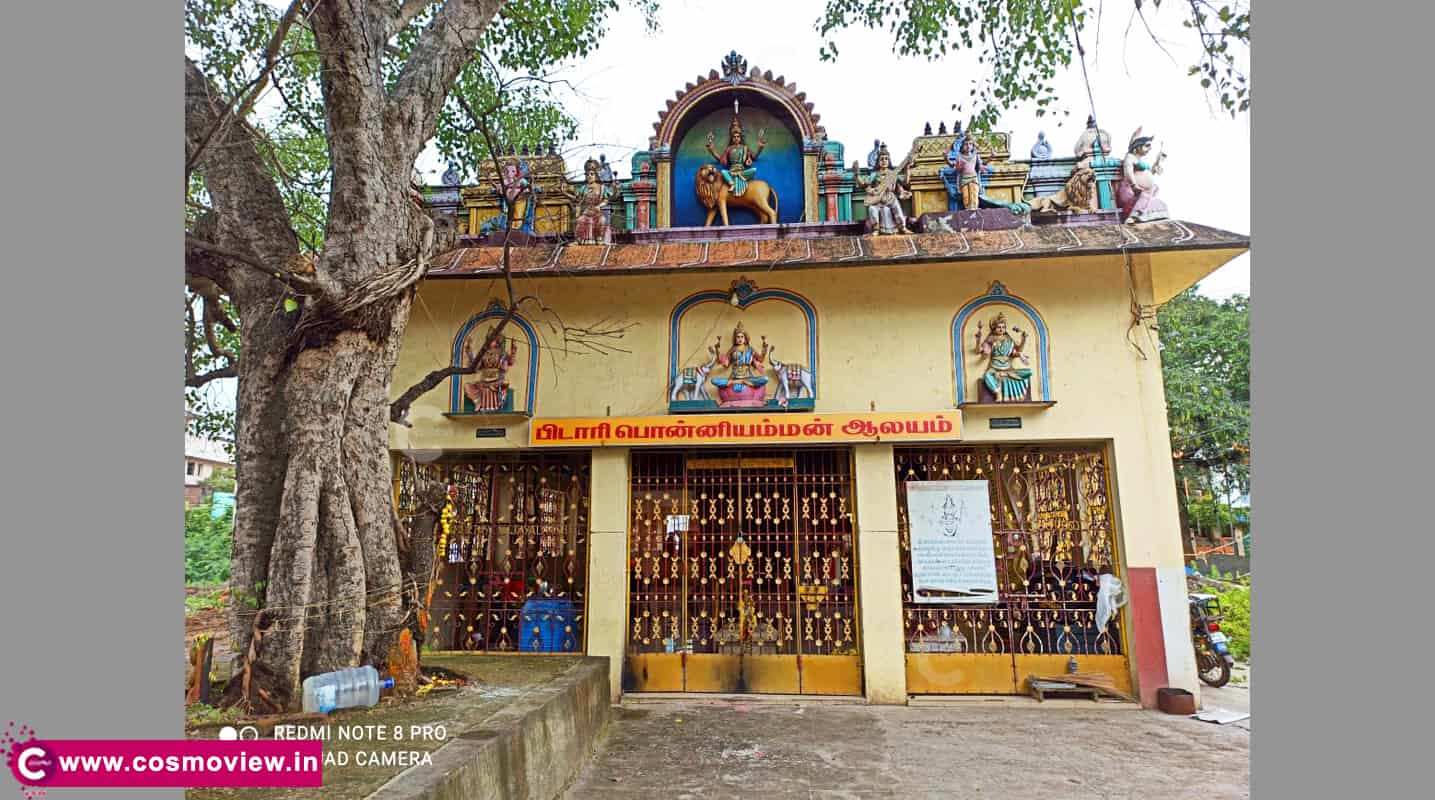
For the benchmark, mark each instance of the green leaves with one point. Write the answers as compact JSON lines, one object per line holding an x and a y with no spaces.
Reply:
{"x":228,"y":40}
{"x":207,"y":545}
{"x":1206,"y":364}
{"x":1024,"y":44}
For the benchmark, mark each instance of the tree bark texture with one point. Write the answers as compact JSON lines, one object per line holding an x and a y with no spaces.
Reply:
{"x":317,"y":561}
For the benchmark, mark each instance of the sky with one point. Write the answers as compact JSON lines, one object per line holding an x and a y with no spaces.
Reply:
{"x":871,"y":93}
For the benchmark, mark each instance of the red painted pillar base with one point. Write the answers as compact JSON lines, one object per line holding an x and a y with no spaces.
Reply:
{"x":1147,"y":638}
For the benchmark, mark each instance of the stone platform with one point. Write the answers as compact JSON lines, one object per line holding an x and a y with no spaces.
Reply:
{"x":523,"y":729}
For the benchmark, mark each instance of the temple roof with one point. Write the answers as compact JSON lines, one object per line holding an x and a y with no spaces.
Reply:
{"x":1164,"y":237}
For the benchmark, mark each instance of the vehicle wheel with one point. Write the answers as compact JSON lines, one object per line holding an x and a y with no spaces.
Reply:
{"x":1212,"y":669}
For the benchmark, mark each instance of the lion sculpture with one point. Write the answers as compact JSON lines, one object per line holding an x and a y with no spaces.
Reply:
{"x":716,"y":196}
{"x":1079,"y":194}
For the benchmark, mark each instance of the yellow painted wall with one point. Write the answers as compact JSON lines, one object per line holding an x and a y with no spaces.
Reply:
{"x":884,"y":344}
{"x":608,"y":561}
{"x":879,"y":598}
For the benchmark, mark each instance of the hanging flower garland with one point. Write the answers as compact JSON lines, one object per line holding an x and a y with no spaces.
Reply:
{"x":445,"y":524}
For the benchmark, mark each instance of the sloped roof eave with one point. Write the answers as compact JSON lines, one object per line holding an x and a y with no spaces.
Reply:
{"x":1167,"y":236}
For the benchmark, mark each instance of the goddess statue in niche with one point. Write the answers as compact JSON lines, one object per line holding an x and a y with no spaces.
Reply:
{"x":745,"y":385}
{"x":490,"y":392}
{"x":1004,"y":382}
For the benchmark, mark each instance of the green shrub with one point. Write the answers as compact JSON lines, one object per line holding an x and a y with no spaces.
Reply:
{"x":207,"y":545}
{"x":201,"y":602}
{"x":1236,"y":613}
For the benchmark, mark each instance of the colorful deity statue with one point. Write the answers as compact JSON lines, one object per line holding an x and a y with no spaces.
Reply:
{"x":591,"y":204}
{"x":513,"y":185}
{"x":490,"y":391}
{"x":963,"y":175}
{"x":1136,"y":193}
{"x":1041,"y":151}
{"x":1005,"y":382}
{"x":745,"y":385}
{"x":1092,"y":142}
{"x":885,"y":188}
{"x":736,"y":159}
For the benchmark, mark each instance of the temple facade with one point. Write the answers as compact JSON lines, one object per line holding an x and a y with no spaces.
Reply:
{"x":761,"y":416}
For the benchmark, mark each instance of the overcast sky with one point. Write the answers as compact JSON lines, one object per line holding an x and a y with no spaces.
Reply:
{"x":870,"y":93}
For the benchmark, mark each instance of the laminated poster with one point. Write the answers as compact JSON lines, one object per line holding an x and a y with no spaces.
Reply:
{"x":953,"y":556}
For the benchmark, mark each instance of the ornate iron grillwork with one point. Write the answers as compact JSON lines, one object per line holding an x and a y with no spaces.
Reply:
{"x":766,"y":565}
{"x":1052,"y":525}
{"x":512,"y":568}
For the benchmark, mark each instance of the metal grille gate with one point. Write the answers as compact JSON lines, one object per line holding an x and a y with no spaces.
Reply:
{"x":511,"y":571}
{"x":742,"y":573}
{"x":1052,"y":525}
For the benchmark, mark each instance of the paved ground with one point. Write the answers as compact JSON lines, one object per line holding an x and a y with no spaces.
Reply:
{"x":734,"y":749}
{"x":1234,"y":696}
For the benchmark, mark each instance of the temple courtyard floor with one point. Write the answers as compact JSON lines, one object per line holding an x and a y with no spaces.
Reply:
{"x":742,"y":748}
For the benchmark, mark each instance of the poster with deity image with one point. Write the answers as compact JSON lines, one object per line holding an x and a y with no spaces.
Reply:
{"x":953,"y":556}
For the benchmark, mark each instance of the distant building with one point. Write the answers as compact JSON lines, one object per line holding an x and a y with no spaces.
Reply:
{"x":201,"y":458}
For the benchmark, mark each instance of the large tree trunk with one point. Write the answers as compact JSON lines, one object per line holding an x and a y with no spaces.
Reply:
{"x":317,"y":574}
{"x":317,"y":544}
{"x":324,"y":560}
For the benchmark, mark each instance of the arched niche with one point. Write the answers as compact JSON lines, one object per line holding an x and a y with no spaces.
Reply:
{"x":970,"y":366}
{"x":523,"y":375}
{"x":788,"y":163}
{"x":787,"y":319}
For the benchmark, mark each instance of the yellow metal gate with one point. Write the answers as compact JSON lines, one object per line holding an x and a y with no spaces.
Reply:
{"x":742,"y":573}
{"x":1053,"y":534}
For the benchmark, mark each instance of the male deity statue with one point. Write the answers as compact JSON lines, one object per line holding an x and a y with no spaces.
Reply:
{"x":736,"y":159}
{"x":1092,"y":142}
{"x":963,"y":175}
{"x":490,"y":391}
{"x":1041,"y":151}
{"x":885,"y":188}
{"x":514,"y":184}
{"x":1006,"y":382}
{"x":605,"y":176}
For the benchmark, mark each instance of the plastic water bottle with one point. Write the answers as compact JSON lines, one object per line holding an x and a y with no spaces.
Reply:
{"x":347,"y":688}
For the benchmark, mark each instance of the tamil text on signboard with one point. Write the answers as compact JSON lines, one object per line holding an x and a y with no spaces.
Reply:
{"x":745,"y":429}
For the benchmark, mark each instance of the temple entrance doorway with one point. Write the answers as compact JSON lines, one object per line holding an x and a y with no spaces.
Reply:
{"x":1053,"y":530}
{"x":742,"y":573}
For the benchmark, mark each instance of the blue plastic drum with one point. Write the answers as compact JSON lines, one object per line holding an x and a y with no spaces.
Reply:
{"x":549,"y":626}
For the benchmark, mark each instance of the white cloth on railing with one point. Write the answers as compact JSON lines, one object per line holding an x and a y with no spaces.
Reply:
{"x":1110,"y":596}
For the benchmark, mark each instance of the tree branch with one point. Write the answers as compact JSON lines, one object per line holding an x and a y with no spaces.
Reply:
{"x":250,"y":224}
{"x":196,"y":381}
{"x":406,"y":13}
{"x":271,"y":57}
{"x":244,"y":100}
{"x":445,"y":46}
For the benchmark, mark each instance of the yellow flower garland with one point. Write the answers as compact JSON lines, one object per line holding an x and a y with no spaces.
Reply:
{"x":446,"y":518}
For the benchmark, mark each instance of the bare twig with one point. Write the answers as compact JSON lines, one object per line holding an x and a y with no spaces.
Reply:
{"x":271,"y":57}
{"x":243,"y":101}
{"x":597,"y":338}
